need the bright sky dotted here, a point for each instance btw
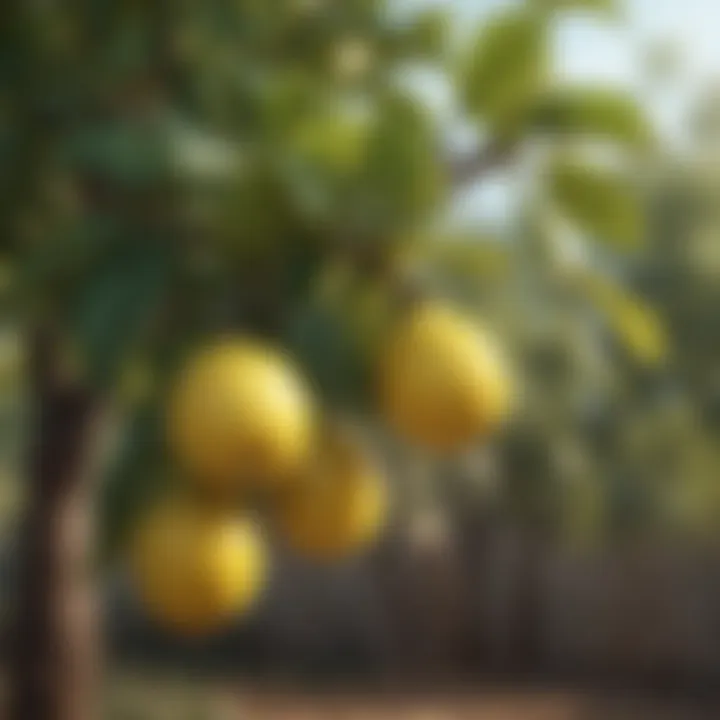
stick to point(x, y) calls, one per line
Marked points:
point(590, 48)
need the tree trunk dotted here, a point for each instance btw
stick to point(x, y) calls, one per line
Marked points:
point(53, 675)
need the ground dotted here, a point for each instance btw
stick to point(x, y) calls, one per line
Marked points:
point(141, 699)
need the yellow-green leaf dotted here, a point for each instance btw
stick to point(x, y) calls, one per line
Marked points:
point(474, 258)
point(601, 112)
point(425, 36)
point(601, 202)
point(635, 322)
point(402, 178)
point(334, 140)
point(505, 68)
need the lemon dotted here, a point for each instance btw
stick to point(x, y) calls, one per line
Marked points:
point(241, 414)
point(443, 381)
point(195, 569)
point(340, 507)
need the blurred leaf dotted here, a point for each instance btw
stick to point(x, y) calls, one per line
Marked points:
point(117, 306)
point(51, 267)
point(474, 258)
point(145, 154)
point(368, 310)
point(505, 69)
point(137, 473)
point(324, 342)
point(606, 113)
point(402, 179)
point(261, 212)
point(130, 154)
point(334, 139)
point(284, 97)
point(425, 36)
point(636, 323)
point(603, 203)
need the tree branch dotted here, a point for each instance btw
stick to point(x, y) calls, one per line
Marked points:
point(468, 168)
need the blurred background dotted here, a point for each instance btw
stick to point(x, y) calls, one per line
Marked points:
point(170, 170)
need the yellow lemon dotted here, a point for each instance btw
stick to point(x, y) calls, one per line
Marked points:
point(241, 414)
point(443, 382)
point(194, 569)
point(340, 507)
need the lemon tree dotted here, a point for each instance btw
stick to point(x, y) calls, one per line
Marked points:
point(170, 199)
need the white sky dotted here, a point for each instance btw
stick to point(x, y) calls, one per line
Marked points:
point(589, 47)
point(593, 49)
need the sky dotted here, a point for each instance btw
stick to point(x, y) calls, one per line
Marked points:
point(590, 48)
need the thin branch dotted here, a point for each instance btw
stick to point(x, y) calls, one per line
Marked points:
point(469, 168)
point(376, 259)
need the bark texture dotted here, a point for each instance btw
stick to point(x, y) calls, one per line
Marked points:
point(54, 667)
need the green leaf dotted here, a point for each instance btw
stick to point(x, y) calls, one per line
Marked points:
point(333, 139)
point(49, 270)
point(601, 112)
point(114, 310)
point(401, 178)
point(505, 69)
point(148, 153)
point(603, 203)
point(635, 323)
point(425, 36)
point(137, 474)
point(473, 258)
point(323, 341)
point(129, 154)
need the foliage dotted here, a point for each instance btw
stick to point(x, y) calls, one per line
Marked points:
point(171, 171)
point(601, 202)
point(594, 112)
point(506, 70)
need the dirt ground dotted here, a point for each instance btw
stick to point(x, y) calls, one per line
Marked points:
point(493, 707)
point(158, 701)
point(140, 697)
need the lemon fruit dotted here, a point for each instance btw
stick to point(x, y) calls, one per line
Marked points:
point(443, 381)
point(241, 414)
point(195, 569)
point(340, 507)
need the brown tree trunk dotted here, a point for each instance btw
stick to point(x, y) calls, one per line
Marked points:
point(53, 673)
